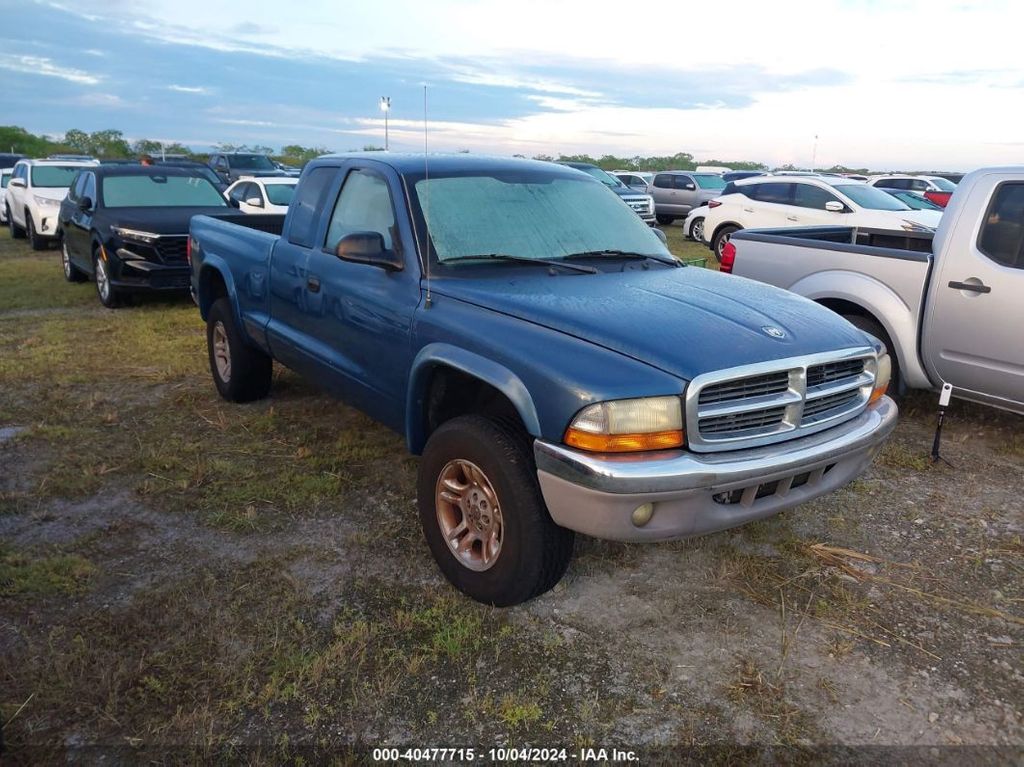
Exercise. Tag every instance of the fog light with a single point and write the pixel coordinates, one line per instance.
(642, 514)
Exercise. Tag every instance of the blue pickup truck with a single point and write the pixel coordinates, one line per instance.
(556, 369)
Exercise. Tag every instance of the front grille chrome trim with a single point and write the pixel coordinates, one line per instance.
(841, 390)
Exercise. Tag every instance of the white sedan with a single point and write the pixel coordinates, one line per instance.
(259, 194)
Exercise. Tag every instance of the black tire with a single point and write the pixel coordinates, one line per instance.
(247, 374)
(665, 220)
(34, 240)
(874, 327)
(71, 272)
(721, 238)
(17, 232)
(697, 223)
(535, 552)
(109, 296)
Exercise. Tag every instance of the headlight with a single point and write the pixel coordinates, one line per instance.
(882, 377)
(134, 234)
(628, 425)
(650, 203)
(47, 201)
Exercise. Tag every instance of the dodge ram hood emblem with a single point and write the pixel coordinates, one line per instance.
(774, 332)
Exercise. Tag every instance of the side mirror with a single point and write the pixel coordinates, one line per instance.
(367, 248)
(835, 206)
(18, 182)
(256, 202)
(232, 201)
(85, 204)
(660, 235)
(690, 187)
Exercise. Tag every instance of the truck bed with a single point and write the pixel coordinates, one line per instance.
(846, 239)
(271, 223)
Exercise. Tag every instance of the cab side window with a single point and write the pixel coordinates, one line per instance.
(306, 205)
(663, 181)
(809, 196)
(1002, 234)
(364, 205)
(684, 182)
(778, 193)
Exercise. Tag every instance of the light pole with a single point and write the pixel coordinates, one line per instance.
(385, 107)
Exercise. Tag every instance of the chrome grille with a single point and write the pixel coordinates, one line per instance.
(774, 401)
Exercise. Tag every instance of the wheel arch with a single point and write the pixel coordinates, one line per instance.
(447, 381)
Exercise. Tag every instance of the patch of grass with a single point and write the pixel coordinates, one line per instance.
(895, 455)
(765, 696)
(24, 575)
(686, 249)
(37, 282)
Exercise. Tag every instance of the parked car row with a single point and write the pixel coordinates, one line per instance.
(946, 304)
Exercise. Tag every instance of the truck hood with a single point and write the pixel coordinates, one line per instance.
(684, 321)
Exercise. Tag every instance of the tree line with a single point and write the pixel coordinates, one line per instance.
(111, 144)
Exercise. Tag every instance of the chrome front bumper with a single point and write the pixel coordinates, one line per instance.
(698, 493)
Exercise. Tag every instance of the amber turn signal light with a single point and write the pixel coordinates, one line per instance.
(624, 443)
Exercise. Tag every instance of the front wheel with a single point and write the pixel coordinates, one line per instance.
(697, 229)
(483, 514)
(240, 371)
(109, 296)
(721, 238)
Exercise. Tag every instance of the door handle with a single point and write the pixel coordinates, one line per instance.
(979, 288)
(792, 218)
(313, 283)
(748, 210)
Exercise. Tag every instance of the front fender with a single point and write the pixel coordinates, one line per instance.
(501, 378)
(881, 302)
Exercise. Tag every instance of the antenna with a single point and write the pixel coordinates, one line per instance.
(426, 199)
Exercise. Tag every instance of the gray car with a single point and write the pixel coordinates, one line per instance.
(677, 192)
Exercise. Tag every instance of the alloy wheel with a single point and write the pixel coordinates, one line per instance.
(469, 515)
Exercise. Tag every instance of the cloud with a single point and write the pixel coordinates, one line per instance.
(45, 67)
(99, 100)
(196, 89)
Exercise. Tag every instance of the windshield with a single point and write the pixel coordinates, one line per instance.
(53, 176)
(709, 181)
(869, 197)
(944, 184)
(160, 192)
(251, 162)
(915, 201)
(279, 194)
(602, 176)
(530, 214)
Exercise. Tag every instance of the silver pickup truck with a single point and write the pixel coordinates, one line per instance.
(949, 305)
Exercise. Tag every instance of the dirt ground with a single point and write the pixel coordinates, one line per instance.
(221, 581)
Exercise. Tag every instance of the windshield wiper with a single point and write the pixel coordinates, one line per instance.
(522, 260)
(608, 253)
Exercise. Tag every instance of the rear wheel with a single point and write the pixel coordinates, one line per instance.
(874, 327)
(240, 371)
(665, 220)
(34, 240)
(721, 238)
(483, 514)
(17, 232)
(697, 229)
(71, 272)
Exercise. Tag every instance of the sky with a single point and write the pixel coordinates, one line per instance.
(896, 84)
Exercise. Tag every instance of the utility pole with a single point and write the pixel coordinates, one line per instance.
(385, 106)
(814, 155)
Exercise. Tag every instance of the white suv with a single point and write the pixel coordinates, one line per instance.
(767, 202)
(33, 196)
